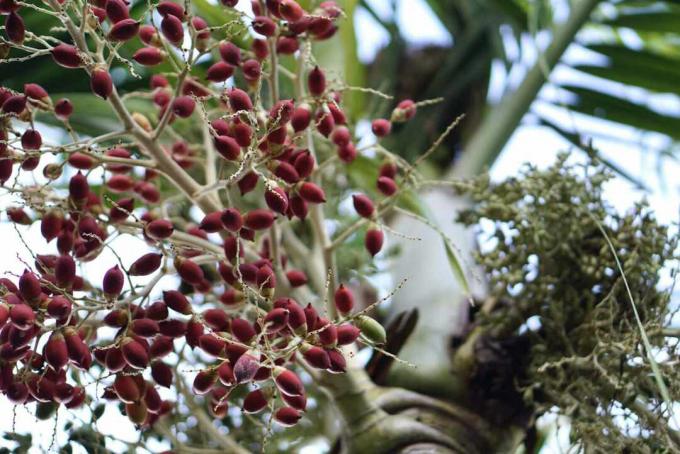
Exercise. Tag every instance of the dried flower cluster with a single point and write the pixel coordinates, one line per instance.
(560, 331)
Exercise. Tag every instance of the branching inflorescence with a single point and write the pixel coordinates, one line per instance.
(560, 332)
(248, 158)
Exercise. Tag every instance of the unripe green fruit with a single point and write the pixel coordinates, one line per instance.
(371, 329)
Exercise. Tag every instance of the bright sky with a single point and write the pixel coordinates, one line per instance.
(537, 145)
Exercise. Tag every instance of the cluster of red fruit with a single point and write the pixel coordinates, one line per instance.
(42, 310)
(256, 335)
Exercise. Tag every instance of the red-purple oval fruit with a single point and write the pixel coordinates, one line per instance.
(101, 83)
(287, 416)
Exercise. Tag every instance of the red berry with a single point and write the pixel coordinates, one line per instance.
(347, 334)
(59, 307)
(288, 382)
(17, 392)
(212, 344)
(176, 301)
(14, 104)
(120, 183)
(219, 72)
(287, 416)
(78, 187)
(316, 82)
(300, 26)
(276, 319)
(193, 332)
(149, 36)
(347, 153)
(161, 373)
(254, 402)
(41, 388)
(145, 327)
(116, 10)
(290, 10)
(232, 220)
(166, 8)
(56, 352)
(173, 328)
(329, 334)
(29, 286)
(78, 351)
(341, 136)
(246, 368)
(230, 53)
(159, 229)
(31, 140)
(281, 112)
(324, 123)
(226, 374)
(152, 400)
(81, 161)
(161, 345)
(126, 388)
(15, 28)
(296, 278)
(171, 27)
(216, 319)
(134, 353)
(259, 219)
(344, 300)
(183, 106)
(243, 134)
(252, 70)
(239, 100)
(381, 127)
(63, 108)
(51, 225)
(311, 316)
(157, 311)
(149, 56)
(338, 115)
(387, 186)
(264, 26)
(297, 402)
(243, 330)
(404, 111)
(65, 271)
(204, 381)
(277, 200)
(227, 147)
(301, 118)
(286, 172)
(317, 357)
(287, 45)
(122, 209)
(22, 316)
(124, 30)
(304, 164)
(363, 205)
(101, 83)
(338, 362)
(212, 222)
(312, 193)
(374, 241)
(145, 265)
